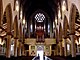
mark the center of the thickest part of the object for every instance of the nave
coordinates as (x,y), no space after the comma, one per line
(51,27)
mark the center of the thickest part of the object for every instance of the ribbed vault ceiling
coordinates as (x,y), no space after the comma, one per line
(48,6)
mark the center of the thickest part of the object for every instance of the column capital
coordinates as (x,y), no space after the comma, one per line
(65,37)
(15,37)
(9,33)
(60,40)
(72,33)
(20,40)
(1,27)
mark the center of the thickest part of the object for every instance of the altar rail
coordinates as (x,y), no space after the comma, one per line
(32,41)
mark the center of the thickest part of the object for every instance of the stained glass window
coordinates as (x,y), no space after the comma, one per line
(48,28)
(31,28)
(39,17)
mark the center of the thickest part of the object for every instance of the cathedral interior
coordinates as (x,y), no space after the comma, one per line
(39,29)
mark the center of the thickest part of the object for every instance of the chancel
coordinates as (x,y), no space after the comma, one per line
(39,29)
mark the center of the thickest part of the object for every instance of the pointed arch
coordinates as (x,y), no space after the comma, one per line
(72,19)
(20,31)
(14,5)
(74,22)
(15,27)
(39,11)
(8,11)
(60,32)
(65,26)
(72,28)
(57,35)
(1,11)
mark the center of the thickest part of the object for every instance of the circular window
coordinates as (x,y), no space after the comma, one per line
(39,17)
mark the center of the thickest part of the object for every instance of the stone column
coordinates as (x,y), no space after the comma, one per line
(37,37)
(15,46)
(77,49)
(19,51)
(65,47)
(43,38)
(57,53)
(73,47)
(23,50)
(29,33)
(8,49)
(70,49)
(29,29)
(61,52)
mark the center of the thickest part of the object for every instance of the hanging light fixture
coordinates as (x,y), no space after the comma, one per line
(79,40)
(59,14)
(53,25)
(24,21)
(56,20)
(31,27)
(26,25)
(77,33)
(76,42)
(21,14)
(63,6)
(44,26)
(17,5)
(35,26)
(0,41)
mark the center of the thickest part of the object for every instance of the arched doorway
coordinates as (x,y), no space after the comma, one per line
(40,51)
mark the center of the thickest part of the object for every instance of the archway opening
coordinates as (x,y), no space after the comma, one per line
(40,51)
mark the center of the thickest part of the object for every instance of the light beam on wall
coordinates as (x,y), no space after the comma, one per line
(68,47)
(76,42)
(79,40)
